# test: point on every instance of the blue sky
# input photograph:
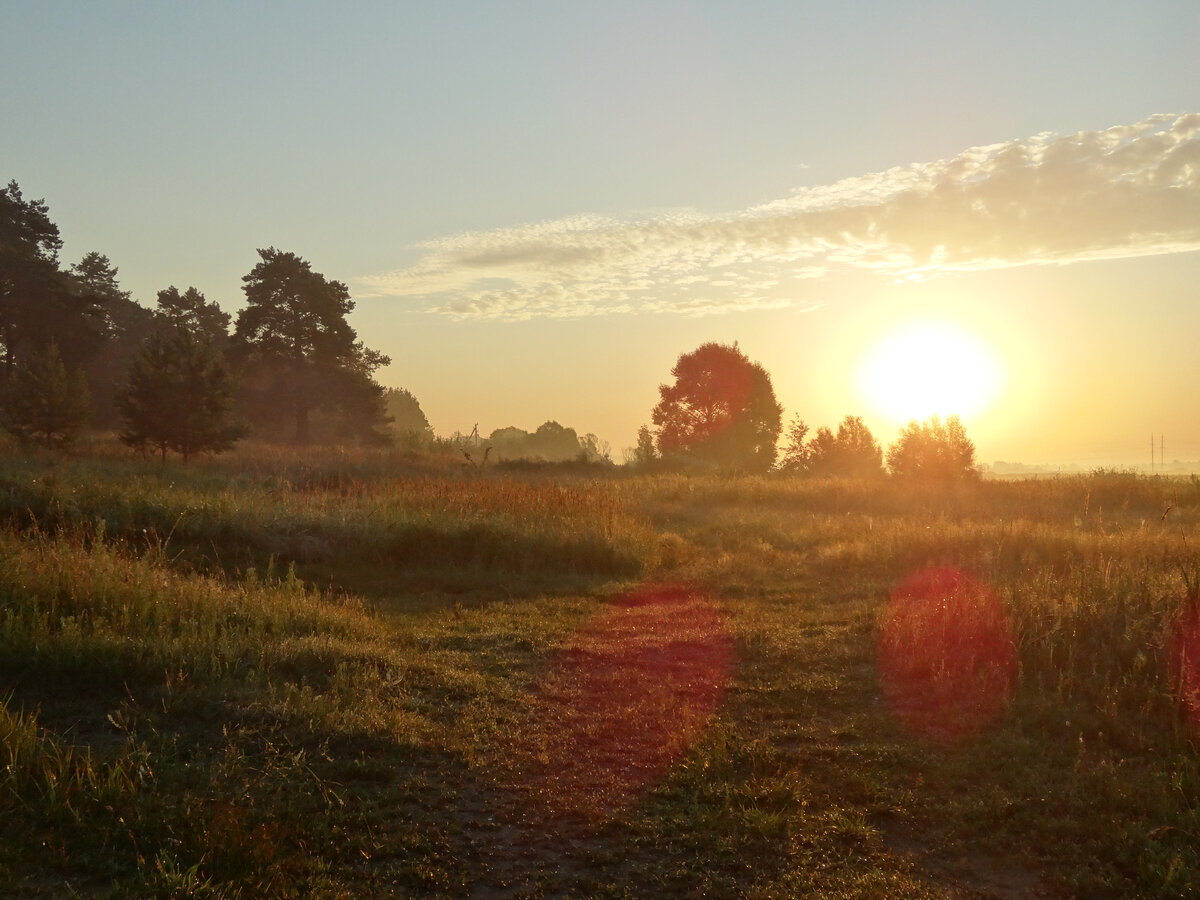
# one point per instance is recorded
(539, 206)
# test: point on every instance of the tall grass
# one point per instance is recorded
(175, 743)
(339, 529)
(276, 674)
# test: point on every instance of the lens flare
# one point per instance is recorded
(625, 700)
(946, 655)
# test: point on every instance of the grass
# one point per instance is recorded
(283, 675)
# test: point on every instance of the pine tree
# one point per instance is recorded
(179, 397)
(45, 402)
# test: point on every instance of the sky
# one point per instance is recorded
(902, 208)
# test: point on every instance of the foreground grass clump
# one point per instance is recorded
(354, 676)
(183, 719)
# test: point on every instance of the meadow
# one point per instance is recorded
(346, 674)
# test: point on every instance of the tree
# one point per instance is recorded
(295, 335)
(45, 403)
(852, 453)
(645, 454)
(721, 410)
(933, 449)
(407, 418)
(795, 452)
(179, 397)
(554, 443)
(192, 312)
(595, 449)
(104, 331)
(94, 281)
(551, 443)
(32, 291)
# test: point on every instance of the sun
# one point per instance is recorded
(929, 368)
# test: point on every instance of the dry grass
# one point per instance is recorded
(357, 675)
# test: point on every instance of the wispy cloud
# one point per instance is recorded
(1130, 190)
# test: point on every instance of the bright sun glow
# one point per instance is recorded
(929, 368)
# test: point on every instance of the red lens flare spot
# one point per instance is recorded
(946, 655)
(626, 699)
(1185, 665)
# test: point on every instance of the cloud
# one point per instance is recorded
(1130, 190)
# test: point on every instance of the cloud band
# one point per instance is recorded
(1130, 190)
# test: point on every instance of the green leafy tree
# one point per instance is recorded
(720, 410)
(44, 401)
(179, 397)
(299, 346)
(933, 450)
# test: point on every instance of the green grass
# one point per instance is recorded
(359, 675)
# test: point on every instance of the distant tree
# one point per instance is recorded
(795, 451)
(191, 312)
(553, 443)
(595, 449)
(508, 443)
(934, 450)
(179, 397)
(822, 449)
(644, 454)
(45, 402)
(407, 418)
(852, 453)
(721, 410)
(296, 340)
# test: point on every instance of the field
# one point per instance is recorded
(348, 674)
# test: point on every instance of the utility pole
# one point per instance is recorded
(1152, 453)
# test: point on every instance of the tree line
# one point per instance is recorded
(186, 377)
(720, 413)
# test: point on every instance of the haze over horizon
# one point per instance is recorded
(538, 207)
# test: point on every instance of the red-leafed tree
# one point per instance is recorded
(721, 410)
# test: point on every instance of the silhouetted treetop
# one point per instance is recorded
(297, 313)
(721, 409)
(301, 350)
(190, 311)
(33, 292)
(26, 232)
